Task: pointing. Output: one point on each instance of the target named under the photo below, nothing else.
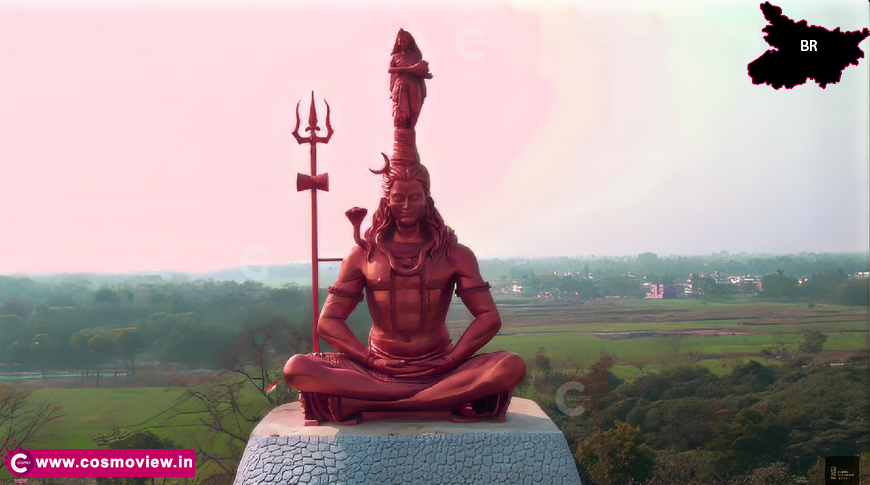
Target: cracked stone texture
(527, 448)
(441, 458)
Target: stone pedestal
(526, 448)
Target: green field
(97, 411)
(578, 346)
(657, 331)
(728, 325)
(88, 412)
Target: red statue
(409, 264)
(407, 88)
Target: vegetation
(730, 385)
(246, 330)
(22, 418)
(686, 425)
(142, 440)
(723, 388)
(69, 325)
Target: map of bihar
(802, 52)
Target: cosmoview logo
(570, 404)
(20, 462)
(245, 263)
(463, 42)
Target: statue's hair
(433, 227)
(410, 45)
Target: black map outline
(786, 65)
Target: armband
(345, 294)
(461, 291)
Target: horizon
(152, 136)
(331, 268)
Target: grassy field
(723, 325)
(658, 331)
(585, 348)
(97, 411)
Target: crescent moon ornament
(386, 166)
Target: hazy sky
(156, 135)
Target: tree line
(822, 278)
(69, 324)
(674, 269)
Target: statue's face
(402, 39)
(407, 202)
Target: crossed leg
(481, 376)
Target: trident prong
(329, 130)
(312, 117)
(299, 139)
(312, 127)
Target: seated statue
(409, 264)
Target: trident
(314, 182)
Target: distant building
(752, 280)
(666, 292)
(689, 290)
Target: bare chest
(409, 302)
(433, 274)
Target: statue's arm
(474, 293)
(343, 298)
(419, 69)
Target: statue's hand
(422, 69)
(435, 367)
(419, 69)
(389, 367)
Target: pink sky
(159, 138)
(146, 139)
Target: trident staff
(314, 182)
